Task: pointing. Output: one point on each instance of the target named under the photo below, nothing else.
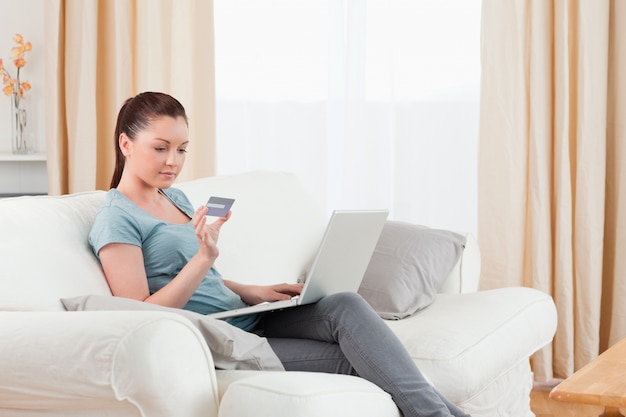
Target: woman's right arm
(124, 271)
(123, 267)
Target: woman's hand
(208, 234)
(255, 294)
(216, 226)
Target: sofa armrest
(136, 363)
(465, 275)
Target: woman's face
(157, 154)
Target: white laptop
(340, 263)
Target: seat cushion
(305, 394)
(462, 342)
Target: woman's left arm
(255, 294)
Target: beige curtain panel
(99, 53)
(552, 166)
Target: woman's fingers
(289, 289)
(199, 225)
(199, 216)
(216, 226)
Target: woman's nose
(172, 158)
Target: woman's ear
(125, 144)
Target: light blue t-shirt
(166, 247)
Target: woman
(153, 247)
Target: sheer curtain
(372, 103)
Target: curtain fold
(101, 52)
(551, 190)
(614, 288)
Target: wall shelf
(23, 174)
(33, 157)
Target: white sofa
(474, 346)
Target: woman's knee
(346, 297)
(347, 302)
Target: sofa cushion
(464, 342)
(231, 347)
(45, 253)
(408, 266)
(305, 394)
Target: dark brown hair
(135, 115)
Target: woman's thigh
(305, 337)
(324, 320)
(311, 355)
(334, 334)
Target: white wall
(27, 18)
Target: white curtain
(372, 103)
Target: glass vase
(20, 128)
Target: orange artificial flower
(17, 52)
(15, 85)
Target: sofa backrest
(271, 237)
(44, 254)
(275, 228)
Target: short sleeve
(113, 225)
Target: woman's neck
(153, 201)
(140, 193)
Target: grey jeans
(342, 334)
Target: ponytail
(120, 159)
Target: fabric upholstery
(45, 254)
(99, 363)
(409, 264)
(231, 347)
(463, 342)
(306, 394)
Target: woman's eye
(160, 149)
(182, 150)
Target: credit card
(219, 206)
